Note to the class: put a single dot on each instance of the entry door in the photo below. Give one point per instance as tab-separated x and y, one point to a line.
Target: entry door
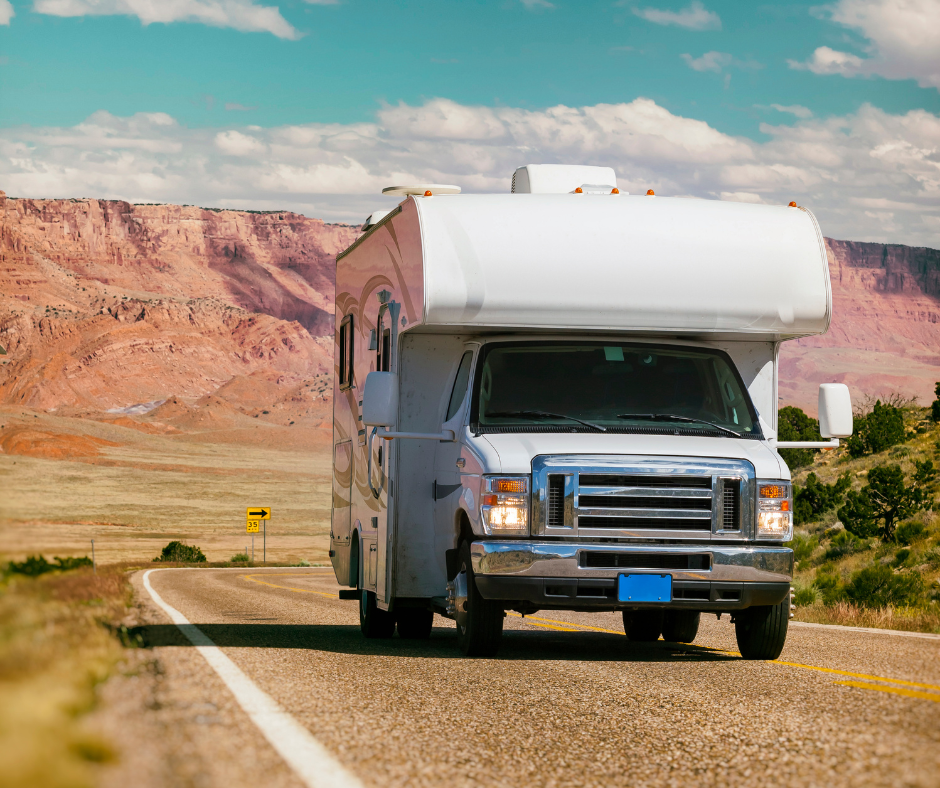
383	459
342	510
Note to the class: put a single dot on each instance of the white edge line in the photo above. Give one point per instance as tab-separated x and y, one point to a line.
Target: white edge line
867	630
309	759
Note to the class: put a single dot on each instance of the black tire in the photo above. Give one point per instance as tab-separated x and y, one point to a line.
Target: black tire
414	623
762	631
643	626
479	636
681	626
373	622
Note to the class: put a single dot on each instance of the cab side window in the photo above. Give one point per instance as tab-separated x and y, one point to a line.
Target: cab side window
460	386
346	352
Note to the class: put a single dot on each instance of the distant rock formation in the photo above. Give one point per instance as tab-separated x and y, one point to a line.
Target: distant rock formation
105	304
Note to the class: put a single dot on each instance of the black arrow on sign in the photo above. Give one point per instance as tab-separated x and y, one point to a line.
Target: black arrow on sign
262	513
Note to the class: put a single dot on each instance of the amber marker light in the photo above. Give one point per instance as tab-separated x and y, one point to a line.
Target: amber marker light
615	190
428	193
792	204
509	486
579	190
773	491
650	193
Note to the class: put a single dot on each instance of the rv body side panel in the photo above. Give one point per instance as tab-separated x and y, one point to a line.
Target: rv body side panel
756	362
428	365
388	260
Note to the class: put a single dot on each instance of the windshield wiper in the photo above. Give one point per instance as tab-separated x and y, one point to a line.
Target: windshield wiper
544	414
671	417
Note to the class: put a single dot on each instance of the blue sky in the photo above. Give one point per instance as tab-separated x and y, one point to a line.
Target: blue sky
799	95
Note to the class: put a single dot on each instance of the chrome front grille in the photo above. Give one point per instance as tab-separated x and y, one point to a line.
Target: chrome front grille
641	497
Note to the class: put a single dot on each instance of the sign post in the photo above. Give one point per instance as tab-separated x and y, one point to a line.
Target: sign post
255	514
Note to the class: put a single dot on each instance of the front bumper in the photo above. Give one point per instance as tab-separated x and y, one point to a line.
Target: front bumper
565	575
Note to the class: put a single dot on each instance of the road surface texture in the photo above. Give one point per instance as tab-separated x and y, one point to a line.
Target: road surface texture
568	702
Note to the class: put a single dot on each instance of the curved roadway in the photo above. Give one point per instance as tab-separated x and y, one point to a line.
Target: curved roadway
569	701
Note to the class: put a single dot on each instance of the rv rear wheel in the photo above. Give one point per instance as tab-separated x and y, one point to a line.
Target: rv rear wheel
643	626
479	620
761	631
680	626
374	622
414	623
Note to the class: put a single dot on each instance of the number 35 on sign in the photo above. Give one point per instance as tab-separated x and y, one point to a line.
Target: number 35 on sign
254	526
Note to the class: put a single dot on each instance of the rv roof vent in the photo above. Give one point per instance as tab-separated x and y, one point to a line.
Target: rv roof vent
374	219
421	188
562	179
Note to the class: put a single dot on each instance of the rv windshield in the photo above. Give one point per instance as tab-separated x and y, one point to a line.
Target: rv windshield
610	387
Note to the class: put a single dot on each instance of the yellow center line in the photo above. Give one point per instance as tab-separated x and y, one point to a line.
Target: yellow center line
894	690
856	675
251	578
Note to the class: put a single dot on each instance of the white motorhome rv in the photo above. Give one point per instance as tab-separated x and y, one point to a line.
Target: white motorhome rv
566	398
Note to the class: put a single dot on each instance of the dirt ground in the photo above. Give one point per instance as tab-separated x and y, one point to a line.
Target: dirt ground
134	484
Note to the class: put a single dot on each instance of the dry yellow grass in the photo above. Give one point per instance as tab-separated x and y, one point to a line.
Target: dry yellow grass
846	614
54	649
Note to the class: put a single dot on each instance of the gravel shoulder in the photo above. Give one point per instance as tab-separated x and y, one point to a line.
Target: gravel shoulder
563	705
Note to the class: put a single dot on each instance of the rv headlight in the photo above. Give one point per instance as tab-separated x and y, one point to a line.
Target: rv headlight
774	511
505	505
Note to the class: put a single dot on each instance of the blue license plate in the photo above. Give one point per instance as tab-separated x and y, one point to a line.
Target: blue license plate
644	588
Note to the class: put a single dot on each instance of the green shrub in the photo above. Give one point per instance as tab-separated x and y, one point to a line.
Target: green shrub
816	497
910	531
803	546
794	425
829	584
805	595
239	558
902	555
879	586
935	405
36	565
845	543
886	499
879	430
179	553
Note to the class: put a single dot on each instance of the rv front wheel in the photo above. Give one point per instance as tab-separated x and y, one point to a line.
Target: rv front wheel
761	631
373	621
479	620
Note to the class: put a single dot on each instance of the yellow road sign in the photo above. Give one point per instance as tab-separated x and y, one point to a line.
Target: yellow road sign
254	526
259	512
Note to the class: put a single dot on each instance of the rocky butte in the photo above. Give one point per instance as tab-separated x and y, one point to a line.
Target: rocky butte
105	305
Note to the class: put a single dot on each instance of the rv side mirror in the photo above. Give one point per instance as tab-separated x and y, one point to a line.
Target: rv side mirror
835	410
380	399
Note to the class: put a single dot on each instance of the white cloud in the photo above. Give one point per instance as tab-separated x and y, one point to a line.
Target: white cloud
6	12
235	107
794	109
902	41
844	168
695	17
243	15
710	61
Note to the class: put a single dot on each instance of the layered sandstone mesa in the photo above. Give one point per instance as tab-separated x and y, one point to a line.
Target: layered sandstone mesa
885	332
104	304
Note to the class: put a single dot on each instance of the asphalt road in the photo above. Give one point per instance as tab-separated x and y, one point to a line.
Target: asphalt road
568	702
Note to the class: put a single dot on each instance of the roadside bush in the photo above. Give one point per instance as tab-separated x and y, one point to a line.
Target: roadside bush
829	585
879	586
803	546
879	430
845	543
239	558
36	565
794	425
935	405
886	499
805	595
911	531
816	497
179	553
